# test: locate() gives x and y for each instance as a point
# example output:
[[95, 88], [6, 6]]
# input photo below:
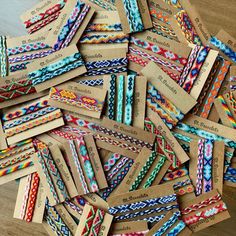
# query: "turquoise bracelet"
[[120, 98]]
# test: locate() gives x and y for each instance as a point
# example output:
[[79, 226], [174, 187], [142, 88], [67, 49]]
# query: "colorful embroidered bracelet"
[[68, 26], [97, 222], [83, 153], [200, 163], [73, 99], [104, 38], [195, 70], [224, 48], [142, 204], [182, 184], [141, 233], [95, 27], [3, 56], [201, 204], [76, 26], [104, 71], [17, 67], [177, 229], [15, 168], [205, 214], [41, 16], [231, 171], [168, 224], [164, 29], [15, 85], [78, 166], [131, 215], [230, 178], [158, 50], [52, 225], [184, 190], [91, 82], [34, 123], [89, 221], [129, 99], [120, 98], [159, 15], [29, 117], [187, 27], [111, 97], [58, 72], [103, 5], [174, 3], [115, 157], [175, 174]]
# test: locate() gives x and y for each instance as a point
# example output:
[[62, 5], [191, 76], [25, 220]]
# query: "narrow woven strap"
[[111, 97], [177, 229], [120, 99], [115, 157], [89, 221], [96, 27], [200, 163]]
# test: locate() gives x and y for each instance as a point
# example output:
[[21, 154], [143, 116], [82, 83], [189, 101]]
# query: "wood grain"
[[216, 14]]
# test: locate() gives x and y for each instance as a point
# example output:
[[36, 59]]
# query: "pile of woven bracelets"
[[118, 117]]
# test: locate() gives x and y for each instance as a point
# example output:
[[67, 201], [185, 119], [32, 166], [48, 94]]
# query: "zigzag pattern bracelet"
[[111, 97], [115, 157], [120, 99], [95, 27], [175, 174], [177, 229], [3, 56], [200, 163], [104, 38], [159, 15], [104, 71], [91, 82]]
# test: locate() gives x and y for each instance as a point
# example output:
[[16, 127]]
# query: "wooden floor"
[[216, 13]]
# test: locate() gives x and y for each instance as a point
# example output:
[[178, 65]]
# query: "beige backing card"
[[106, 224], [106, 17], [55, 57], [128, 227], [89, 91], [96, 201], [197, 21], [169, 88], [3, 142], [96, 162], [163, 7], [39, 205], [141, 195], [18, 174], [48, 229], [217, 164], [67, 218], [97, 7], [169, 137]]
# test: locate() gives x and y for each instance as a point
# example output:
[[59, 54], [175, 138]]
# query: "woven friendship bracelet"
[[106, 63], [159, 15], [89, 221], [124, 137], [184, 190], [48, 177], [83, 153], [97, 223], [174, 3], [128, 116], [187, 27], [74, 99], [29, 117], [16, 160], [54, 172], [115, 157], [182, 184], [120, 99], [168, 224], [95, 27], [117, 168], [41, 16], [111, 97], [33, 123], [200, 164], [215, 88], [164, 29], [104, 38], [177, 229], [230, 178], [25, 110], [155, 172], [32, 197], [143, 171], [91, 82], [27, 48], [57, 72], [189, 65], [17, 67], [15, 168], [165, 103], [5, 96], [55, 66], [3, 56], [103, 5], [52, 225], [231, 171], [60, 224], [204, 134], [104, 71], [69, 24], [153, 219], [147, 212], [73, 207], [142, 204], [205, 214], [207, 168], [158, 50], [195, 70], [175, 174], [15, 85], [76, 26], [224, 48], [201, 204], [155, 59], [142, 233], [105, 193], [78, 166]]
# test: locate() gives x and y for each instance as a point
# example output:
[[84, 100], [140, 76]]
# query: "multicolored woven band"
[[111, 97], [96, 27], [73, 99], [159, 15], [224, 48], [200, 163], [175, 174], [120, 99], [114, 158], [105, 71], [3, 56]]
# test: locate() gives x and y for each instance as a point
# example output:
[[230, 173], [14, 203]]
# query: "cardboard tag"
[[169, 88], [106, 17], [163, 7], [55, 57], [39, 205], [169, 137], [128, 227], [62, 20], [143, 10], [91, 92], [96, 201], [202, 224], [11, 79], [197, 21], [217, 164], [3, 142], [185, 232]]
